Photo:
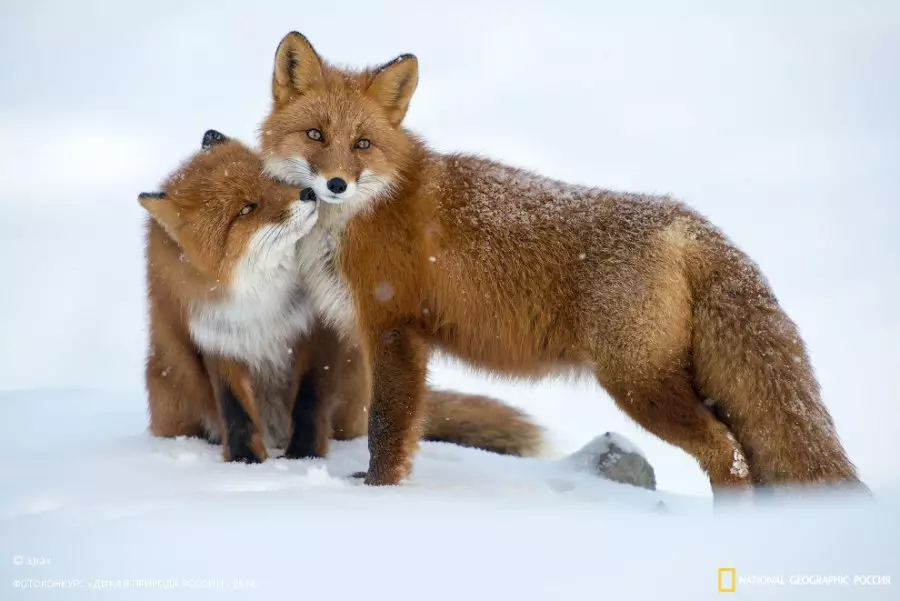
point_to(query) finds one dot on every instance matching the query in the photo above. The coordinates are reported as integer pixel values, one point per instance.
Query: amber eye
(248, 208)
(314, 134)
(362, 144)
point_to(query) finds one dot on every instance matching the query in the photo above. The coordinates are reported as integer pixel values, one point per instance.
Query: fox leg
(342, 383)
(665, 404)
(180, 397)
(351, 419)
(750, 361)
(310, 410)
(400, 361)
(351, 385)
(310, 417)
(241, 434)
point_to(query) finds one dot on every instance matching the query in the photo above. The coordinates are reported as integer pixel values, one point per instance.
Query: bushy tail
(482, 423)
(752, 366)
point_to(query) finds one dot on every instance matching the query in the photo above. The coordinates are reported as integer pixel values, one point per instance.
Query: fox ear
(161, 209)
(298, 68)
(393, 85)
(211, 138)
(147, 199)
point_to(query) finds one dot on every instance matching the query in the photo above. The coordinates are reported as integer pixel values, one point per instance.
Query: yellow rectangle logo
(727, 580)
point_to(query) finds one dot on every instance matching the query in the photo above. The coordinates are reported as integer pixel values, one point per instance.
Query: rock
(615, 458)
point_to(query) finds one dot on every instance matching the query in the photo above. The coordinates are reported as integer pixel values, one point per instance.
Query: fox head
(337, 131)
(223, 212)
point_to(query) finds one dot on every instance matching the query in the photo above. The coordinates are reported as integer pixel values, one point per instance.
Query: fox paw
(373, 481)
(302, 452)
(242, 456)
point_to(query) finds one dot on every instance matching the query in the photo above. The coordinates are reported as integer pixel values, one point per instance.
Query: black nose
(307, 194)
(336, 185)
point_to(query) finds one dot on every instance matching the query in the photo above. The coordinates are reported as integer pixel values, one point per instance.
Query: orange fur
(196, 239)
(528, 276)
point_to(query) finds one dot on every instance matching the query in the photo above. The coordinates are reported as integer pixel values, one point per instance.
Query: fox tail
(482, 422)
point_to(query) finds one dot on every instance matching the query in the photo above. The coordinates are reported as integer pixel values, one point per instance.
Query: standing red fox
(237, 353)
(528, 276)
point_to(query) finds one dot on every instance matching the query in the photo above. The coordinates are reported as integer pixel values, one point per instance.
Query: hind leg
(310, 423)
(313, 399)
(666, 405)
(749, 359)
(352, 387)
(179, 395)
(346, 386)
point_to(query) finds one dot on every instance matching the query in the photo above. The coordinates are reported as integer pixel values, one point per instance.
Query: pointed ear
(148, 199)
(393, 86)
(161, 209)
(298, 68)
(211, 138)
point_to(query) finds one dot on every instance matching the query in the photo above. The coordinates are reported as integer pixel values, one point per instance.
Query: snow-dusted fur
(236, 352)
(523, 275)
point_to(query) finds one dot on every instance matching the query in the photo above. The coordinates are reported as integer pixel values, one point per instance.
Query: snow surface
(776, 120)
(90, 501)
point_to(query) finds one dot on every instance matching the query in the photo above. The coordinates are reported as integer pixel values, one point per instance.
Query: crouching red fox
(237, 353)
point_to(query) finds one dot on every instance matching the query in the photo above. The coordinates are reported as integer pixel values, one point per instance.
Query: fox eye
(248, 208)
(362, 144)
(314, 134)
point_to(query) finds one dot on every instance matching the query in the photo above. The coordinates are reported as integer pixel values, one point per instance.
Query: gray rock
(614, 457)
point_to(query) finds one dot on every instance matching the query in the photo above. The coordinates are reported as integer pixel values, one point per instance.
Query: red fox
(527, 276)
(237, 353)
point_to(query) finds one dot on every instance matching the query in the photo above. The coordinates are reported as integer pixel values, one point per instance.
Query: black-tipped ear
(147, 196)
(298, 69)
(162, 210)
(213, 137)
(393, 85)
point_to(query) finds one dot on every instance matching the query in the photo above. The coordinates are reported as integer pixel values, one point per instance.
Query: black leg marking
(303, 435)
(238, 428)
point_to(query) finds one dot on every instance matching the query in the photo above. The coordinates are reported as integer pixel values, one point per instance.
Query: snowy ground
(93, 502)
(779, 122)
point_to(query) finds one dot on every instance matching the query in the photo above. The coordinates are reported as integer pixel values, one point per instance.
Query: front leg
(309, 418)
(400, 361)
(310, 412)
(241, 434)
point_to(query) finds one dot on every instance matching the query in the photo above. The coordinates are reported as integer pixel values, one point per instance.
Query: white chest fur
(262, 317)
(331, 296)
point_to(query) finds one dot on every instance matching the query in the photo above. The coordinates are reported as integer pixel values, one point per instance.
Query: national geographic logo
(728, 580)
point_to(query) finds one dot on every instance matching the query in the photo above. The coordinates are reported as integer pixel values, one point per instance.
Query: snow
(88, 499)
(739, 465)
(778, 123)
(384, 291)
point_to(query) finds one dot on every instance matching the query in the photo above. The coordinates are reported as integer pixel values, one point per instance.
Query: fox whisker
(264, 248)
